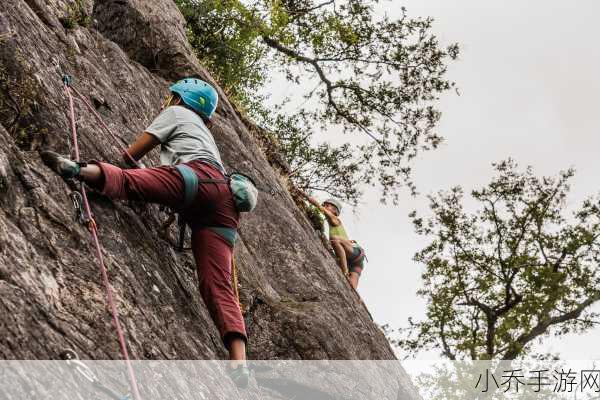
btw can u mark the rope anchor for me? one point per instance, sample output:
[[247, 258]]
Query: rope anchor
[[77, 201], [81, 217], [67, 79]]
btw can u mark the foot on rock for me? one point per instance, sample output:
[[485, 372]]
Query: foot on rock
[[240, 376], [62, 166]]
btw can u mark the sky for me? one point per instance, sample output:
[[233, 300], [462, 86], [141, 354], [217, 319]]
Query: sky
[[529, 81]]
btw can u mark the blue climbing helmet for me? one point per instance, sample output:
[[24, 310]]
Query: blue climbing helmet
[[197, 94]]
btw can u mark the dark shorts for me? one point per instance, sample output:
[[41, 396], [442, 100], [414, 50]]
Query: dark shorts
[[356, 261]]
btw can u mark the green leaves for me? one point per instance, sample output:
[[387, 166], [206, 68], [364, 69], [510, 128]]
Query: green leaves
[[517, 269], [316, 166], [366, 74], [225, 41]]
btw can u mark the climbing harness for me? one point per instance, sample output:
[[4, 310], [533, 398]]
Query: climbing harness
[[191, 181], [84, 206], [79, 368], [243, 188]]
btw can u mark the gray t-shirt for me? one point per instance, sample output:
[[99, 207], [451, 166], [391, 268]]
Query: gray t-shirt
[[184, 137]]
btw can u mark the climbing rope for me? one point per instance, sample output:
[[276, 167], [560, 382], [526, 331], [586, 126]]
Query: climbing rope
[[234, 282], [92, 227]]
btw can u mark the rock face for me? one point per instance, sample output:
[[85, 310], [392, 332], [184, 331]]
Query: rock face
[[123, 54]]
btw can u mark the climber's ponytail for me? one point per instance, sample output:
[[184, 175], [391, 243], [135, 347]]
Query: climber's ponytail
[[172, 100]]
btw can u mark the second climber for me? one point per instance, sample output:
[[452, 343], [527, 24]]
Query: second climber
[[350, 255]]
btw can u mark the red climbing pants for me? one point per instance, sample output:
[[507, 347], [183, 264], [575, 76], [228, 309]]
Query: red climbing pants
[[212, 207]]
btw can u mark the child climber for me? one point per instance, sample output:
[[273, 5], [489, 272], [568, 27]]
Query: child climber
[[186, 142], [350, 255]]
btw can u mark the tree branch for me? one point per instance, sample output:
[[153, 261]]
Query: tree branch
[[499, 232], [303, 11], [444, 340], [542, 326], [330, 87]]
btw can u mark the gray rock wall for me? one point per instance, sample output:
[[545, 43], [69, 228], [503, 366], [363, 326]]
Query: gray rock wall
[[122, 54]]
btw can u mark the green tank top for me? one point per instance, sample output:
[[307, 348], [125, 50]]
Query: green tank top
[[338, 231]]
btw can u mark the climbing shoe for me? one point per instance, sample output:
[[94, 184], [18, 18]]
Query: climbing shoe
[[63, 166], [240, 376]]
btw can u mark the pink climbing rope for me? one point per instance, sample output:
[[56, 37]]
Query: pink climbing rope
[[93, 230]]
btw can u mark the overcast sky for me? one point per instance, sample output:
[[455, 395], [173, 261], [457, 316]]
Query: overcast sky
[[529, 84]]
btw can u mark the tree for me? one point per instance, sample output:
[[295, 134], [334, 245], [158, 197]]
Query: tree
[[363, 73], [227, 47], [322, 167], [517, 270]]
